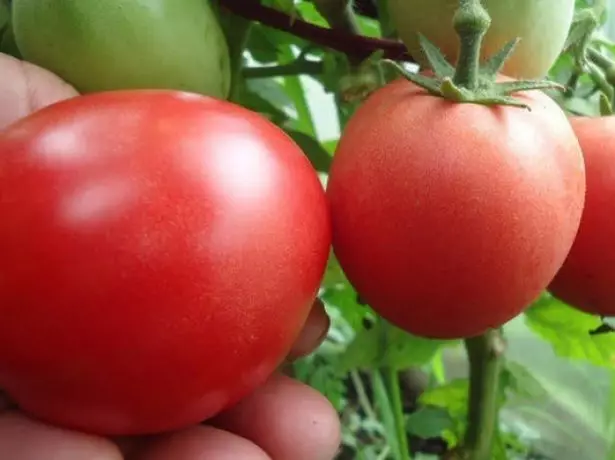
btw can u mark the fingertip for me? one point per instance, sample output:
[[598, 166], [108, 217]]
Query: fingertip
[[288, 420], [202, 442], [313, 333], [22, 438]]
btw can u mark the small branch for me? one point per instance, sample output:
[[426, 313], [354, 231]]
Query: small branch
[[299, 67], [397, 407], [471, 22], [339, 14], [353, 45]]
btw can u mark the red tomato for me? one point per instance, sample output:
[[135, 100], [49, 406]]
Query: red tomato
[[587, 279], [448, 218], [160, 254]]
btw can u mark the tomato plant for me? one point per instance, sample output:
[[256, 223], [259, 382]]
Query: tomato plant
[[123, 44], [526, 19], [162, 252], [587, 278], [140, 278]]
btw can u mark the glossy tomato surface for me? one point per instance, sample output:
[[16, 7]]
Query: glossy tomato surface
[[541, 25], [587, 278], [448, 218], [160, 254]]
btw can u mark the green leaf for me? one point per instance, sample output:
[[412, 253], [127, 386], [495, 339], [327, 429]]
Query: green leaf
[[453, 397], [318, 156], [567, 330], [429, 422], [517, 378], [383, 345]]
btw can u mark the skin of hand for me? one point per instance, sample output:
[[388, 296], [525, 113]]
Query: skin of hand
[[282, 420]]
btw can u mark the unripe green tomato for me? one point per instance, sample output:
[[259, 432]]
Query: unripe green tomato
[[126, 44], [542, 26]]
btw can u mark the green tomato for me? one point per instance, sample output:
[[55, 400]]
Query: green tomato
[[5, 14], [542, 26], [7, 42], [126, 44]]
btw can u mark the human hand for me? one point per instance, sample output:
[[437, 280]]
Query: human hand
[[281, 420]]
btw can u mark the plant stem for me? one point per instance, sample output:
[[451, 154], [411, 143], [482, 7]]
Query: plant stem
[[471, 22], [362, 396], [395, 396], [339, 15], [237, 32], [337, 39], [382, 401], [602, 61], [297, 67], [485, 356]]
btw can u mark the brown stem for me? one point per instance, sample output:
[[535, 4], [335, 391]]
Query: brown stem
[[352, 45]]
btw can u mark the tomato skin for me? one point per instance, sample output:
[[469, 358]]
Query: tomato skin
[[126, 44], [542, 26], [161, 252], [587, 278], [450, 219]]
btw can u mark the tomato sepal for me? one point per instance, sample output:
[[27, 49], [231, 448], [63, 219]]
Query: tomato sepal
[[471, 82]]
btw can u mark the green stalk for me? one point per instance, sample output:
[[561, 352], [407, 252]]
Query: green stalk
[[382, 401], [397, 407], [237, 32], [485, 356], [471, 22]]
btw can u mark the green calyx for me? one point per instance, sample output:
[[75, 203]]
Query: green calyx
[[471, 81]]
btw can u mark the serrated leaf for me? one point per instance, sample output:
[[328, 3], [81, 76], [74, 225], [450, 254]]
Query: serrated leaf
[[453, 397], [568, 332], [383, 345], [429, 422]]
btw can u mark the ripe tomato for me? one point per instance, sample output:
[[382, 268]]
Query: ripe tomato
[[449, 218], [587, 279], [542, 25], [125, 44], [160, 253]]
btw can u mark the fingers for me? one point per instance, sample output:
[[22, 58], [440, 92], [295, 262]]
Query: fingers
[[288, 419], [26, 88], [25, 439], [201, 443], [314, 332]]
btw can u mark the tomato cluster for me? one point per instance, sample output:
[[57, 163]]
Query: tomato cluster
[[161, 249]]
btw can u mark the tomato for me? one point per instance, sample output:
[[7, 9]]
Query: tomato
[[160, 254], [587, 278], [125, 44], [542, 25], [450, 219]]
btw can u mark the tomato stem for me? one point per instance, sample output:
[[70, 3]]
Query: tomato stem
[[485, 354], [395, 395], [471, 22]]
